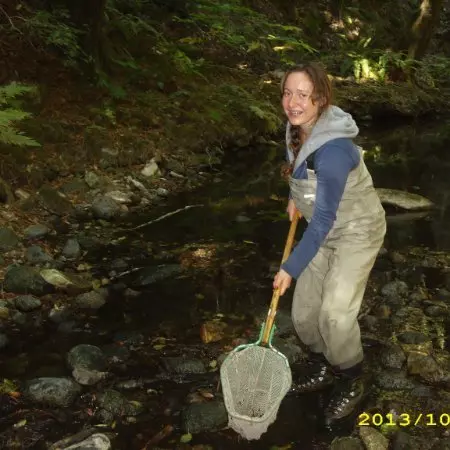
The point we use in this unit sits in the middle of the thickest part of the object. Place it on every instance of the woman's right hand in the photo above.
(291, 209)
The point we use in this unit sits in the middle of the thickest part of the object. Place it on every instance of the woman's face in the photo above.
(297, 100)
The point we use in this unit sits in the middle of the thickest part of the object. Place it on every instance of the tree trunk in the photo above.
(91, 14)
(423, 28)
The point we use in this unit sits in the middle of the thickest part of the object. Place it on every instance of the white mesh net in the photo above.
(254, 382)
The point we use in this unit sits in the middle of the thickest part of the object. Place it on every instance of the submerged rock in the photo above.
(393, 357)
(8, 239)
(199, 417)
(346, 443)
(87, 357)
(106, 208)
(54, 201)
(394, 381)
(150, 275)
(118, 405)
(27, 303)
(95, 442)
(36, 231)
(3, 340)
(59, 392)
(36, 255)
(373, 439)
(183, 366)
(72, 249)
(25, 280)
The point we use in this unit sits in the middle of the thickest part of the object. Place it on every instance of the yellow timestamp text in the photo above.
(404, 420)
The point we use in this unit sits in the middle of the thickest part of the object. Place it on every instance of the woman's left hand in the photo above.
(282, 281)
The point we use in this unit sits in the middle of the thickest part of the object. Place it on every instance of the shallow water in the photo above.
(234, 242)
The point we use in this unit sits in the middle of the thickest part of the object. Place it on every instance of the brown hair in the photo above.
(322, 92)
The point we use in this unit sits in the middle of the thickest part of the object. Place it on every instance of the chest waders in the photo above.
(329, 292)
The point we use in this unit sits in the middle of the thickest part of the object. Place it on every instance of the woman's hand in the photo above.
(291, 209)
(282, 281)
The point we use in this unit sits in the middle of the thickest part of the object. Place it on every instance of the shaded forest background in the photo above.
(184, 79)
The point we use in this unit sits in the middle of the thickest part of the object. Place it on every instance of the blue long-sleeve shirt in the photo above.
(332, 164)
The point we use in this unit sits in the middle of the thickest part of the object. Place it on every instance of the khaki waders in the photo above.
(329, 292)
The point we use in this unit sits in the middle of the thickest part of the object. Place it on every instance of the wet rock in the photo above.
(116, 353)
(393, 357)
(25, 280)
(369, 322)
(8, 239)
(19, 318)
(242, 219)
(59, 314)
(408, 318)
(373, 439)
(87, 377)
(92, 179)
(151, 169)
(427, 368)
(3, 340)
(436, 311)
(383, 311)
(291, 350)
(37, 255)
(4, 311)
(346, 443)
(150, 275)
(183, 366)
(106, 208)
(442, 444)
(200, 417)
(75, 186)
(404, 200)
(72, 249)
(54, 201)
(125, 198)
(26, 303)
(60, 392)
(395, 289)
(443, 295)
(413, 337)
(95, 442)
(418, 295)
(90, 300)
(394, 381)
(404, 441)
(118, 405)
(87, 357)
(162, 192)
(397, 258)
(36, 231)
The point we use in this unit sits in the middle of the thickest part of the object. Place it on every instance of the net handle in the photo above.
(267, 335)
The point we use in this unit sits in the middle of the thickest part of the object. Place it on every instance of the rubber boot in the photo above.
(317, 376)
(347, 394)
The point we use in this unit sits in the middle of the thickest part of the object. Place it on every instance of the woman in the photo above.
(332, 188)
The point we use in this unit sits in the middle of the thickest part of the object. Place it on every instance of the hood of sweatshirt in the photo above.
(333, 123)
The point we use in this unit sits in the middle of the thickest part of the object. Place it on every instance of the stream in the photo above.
(213, 263)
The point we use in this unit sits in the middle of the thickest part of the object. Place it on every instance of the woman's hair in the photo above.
(322, 93)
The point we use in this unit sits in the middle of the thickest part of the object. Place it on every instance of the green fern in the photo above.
(9, 114)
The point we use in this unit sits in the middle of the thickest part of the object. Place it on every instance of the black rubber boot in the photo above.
(347, 395)
(317, 376)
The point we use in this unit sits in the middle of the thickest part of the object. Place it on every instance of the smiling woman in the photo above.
(333, 190)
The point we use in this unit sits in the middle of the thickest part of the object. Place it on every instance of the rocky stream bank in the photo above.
(113, 327)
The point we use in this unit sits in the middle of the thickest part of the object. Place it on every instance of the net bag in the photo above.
(255, 380)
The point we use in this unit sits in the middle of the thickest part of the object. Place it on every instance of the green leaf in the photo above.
(186, 438)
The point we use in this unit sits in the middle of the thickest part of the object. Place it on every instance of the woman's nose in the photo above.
(294, 100)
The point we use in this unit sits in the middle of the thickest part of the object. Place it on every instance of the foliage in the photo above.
(245, 31)
(54, 29)
(11, 112)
